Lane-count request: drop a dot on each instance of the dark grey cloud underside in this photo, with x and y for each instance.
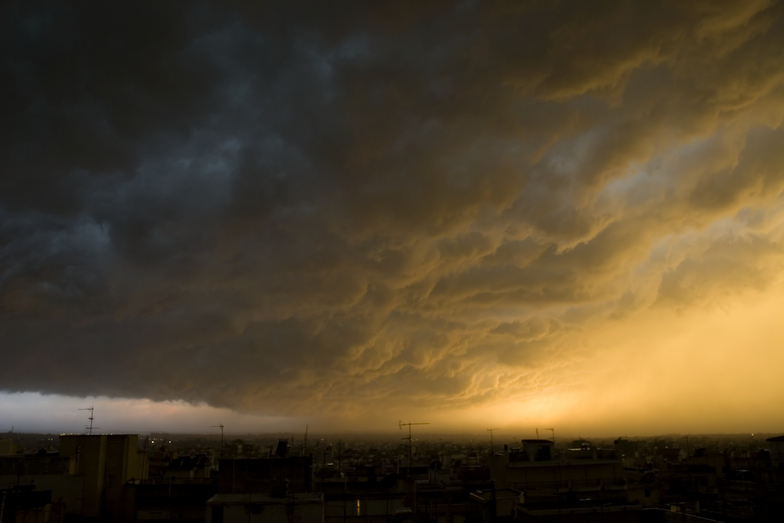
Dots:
(280, 208)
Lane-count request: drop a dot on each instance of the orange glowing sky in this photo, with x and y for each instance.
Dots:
(515, 215)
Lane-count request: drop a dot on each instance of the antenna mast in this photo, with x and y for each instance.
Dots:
(492, 445)
(400, 424)
(219, 427)
(553, 434)
(91, 418)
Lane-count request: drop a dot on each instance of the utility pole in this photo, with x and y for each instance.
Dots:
(492, 444)
(219, 427)
(91, 418)
(400, 424)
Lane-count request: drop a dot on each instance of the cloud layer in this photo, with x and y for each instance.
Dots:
(311, 210)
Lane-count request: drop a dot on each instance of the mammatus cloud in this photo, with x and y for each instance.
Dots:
(359, 209)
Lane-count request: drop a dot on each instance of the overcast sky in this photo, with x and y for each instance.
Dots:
(517, 214)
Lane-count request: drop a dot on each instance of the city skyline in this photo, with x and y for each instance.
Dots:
(473, 215)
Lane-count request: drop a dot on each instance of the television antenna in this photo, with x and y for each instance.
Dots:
(553, 430)
(91, 418)
(219, 427)
(400, 424)
(492, 445)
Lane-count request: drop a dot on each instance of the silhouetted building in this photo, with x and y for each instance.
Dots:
(776, 448)
(25, 504)
(305, 507)
(625, 448)
(541, 476)
(189, 467)
(282, 448)
(579, 512)
(260, 476)
(57, 474)
(106, 462)
(497, 504)
(7, 447)
(182, 500)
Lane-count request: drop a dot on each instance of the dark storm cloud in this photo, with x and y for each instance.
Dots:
(295, 208)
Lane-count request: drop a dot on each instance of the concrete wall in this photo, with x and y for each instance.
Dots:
(106, 463)
(91, 452)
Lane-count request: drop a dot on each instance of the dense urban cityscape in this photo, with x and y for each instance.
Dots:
(409, 475)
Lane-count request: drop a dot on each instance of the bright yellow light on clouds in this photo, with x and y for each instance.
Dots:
(705, 370)
(655, 372)
(702, 371)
